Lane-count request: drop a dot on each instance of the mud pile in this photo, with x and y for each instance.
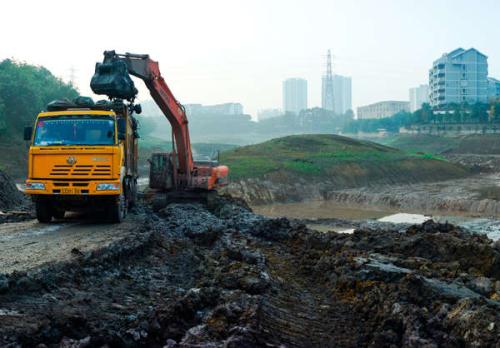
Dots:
(10, 197)
(225, 277)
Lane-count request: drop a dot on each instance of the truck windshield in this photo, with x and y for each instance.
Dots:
(75, 130)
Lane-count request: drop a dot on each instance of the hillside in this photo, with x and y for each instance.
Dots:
(343, 161)
(480, 144)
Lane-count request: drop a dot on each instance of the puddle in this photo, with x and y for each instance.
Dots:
(319, 210)
(405, 218)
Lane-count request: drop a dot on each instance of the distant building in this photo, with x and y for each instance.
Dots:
(265, 114)
(294, 95)
(342, 94)
(493, 88)
(382, 109)
(460, 76)
(418, 96)
(218, 109)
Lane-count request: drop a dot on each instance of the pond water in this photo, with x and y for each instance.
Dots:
(319, 210)
(334, 210)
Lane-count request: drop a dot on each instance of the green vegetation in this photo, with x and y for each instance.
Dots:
(340, 159)
(478, 113)
(438, 144)
(25, 90)
(389, 124)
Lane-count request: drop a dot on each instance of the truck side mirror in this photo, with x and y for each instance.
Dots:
(28, 132)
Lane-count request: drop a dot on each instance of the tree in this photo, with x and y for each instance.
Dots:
(479, 113)
(25, 90)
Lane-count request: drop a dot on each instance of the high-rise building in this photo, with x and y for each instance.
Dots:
(335, 90)
(327, 89)
(382, 109)
(493, 88)
(418, 96)
(460, 76)
(294, 95)
(342, 94)
(342, 90)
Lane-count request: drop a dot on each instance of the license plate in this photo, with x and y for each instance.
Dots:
(70, 191)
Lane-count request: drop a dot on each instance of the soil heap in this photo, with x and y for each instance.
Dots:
(10, 197)
(194, 276)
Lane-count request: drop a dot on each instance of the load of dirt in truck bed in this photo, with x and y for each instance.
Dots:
(225, 277)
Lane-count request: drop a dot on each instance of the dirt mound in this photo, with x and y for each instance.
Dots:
(10, 197)
(225, 277)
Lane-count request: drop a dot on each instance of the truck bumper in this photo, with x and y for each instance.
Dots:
(71, 188)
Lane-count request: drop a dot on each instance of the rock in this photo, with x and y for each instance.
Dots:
(74, 343)
(482, 285)
(170, 343)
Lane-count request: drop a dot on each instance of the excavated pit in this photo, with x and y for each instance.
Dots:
(222, 276)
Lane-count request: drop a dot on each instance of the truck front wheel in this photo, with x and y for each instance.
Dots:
(118, 209)
(43, 211)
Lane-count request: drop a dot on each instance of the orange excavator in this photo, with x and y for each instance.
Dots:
(175, 174)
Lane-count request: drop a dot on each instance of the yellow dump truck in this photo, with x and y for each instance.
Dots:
(83, 156)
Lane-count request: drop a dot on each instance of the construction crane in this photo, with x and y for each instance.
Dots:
(175, 173)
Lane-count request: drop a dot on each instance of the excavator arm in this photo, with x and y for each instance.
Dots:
(112, 79)
(143, 67)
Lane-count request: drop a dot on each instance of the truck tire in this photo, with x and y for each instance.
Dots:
(118, 209)
(58, 213)
(43, 211)
(131, 192)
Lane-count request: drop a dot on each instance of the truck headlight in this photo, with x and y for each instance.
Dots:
(108, 187)
(35, 186)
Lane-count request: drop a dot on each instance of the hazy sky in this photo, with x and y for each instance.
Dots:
(240, 51)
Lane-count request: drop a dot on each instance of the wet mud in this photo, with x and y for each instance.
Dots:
(222, 276)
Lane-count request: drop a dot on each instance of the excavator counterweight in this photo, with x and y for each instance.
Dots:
(170, 172)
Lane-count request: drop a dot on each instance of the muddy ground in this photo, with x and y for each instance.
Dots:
(10, 197)
(222, 276)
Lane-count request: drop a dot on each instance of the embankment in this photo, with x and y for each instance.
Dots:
(306, 167)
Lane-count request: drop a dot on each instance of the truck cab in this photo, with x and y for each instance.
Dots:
(83, 157)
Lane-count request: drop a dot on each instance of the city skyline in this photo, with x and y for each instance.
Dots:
(385, 46)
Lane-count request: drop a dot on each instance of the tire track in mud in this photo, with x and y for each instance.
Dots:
(303, 312)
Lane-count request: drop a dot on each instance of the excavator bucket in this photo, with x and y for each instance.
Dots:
(111, 78)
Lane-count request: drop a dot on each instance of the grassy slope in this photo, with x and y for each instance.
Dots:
(343, 160)
(464, 144)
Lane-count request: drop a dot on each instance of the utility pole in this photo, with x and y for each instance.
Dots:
(327, 102)
(72, 76)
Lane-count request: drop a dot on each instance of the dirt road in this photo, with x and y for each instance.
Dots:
(29, 244)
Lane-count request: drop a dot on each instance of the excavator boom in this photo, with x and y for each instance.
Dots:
(112, 79)
(143, 67)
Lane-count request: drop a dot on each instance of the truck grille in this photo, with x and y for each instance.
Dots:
(60, 170)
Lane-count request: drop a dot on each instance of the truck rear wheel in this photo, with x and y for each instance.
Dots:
(118, 209)
(43, 211)
(131, 192)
